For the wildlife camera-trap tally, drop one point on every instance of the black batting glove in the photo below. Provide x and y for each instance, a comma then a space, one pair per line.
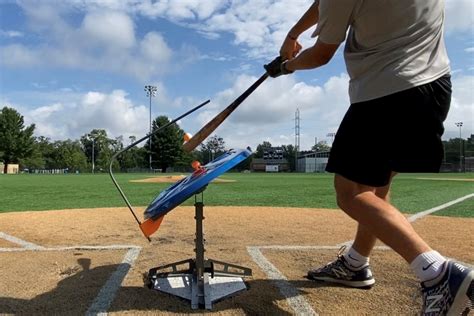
277, 67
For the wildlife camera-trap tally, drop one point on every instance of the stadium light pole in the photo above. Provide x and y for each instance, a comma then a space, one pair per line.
150, 92
93, 164
93, 153
332, 137
459, 124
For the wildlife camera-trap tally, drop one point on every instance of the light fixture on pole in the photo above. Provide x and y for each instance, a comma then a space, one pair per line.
150, 92
459, 124
332, 137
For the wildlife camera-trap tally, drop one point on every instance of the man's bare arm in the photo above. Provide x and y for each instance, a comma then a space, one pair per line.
290, 47
317, 55
309, 18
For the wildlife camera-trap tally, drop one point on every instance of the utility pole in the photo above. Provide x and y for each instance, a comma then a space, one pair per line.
459, 124
150, 92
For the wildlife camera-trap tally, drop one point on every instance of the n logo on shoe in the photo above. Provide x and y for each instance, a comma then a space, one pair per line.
431, 303
339, 272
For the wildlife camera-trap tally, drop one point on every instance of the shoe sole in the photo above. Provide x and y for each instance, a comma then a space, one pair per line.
463, 301
367, 284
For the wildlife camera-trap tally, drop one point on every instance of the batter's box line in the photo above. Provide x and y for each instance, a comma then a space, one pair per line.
67, 248
107, 293
25, 244
294, 299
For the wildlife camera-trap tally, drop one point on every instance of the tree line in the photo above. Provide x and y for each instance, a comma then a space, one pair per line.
94, 149
18, 145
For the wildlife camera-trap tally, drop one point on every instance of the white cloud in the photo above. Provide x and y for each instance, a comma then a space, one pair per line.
11, 33
106, 38
154, 48
462, 107
104, 41
110, 29
114, 112
260, 34
459, 16
469, 50
18, 55
269, 113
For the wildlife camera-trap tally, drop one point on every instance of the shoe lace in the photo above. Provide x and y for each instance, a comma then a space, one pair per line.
330, 265
341, 251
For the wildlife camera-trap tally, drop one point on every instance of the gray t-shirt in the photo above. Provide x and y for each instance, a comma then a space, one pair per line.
392, 45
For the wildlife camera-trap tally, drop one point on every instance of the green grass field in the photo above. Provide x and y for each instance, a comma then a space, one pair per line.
50, 192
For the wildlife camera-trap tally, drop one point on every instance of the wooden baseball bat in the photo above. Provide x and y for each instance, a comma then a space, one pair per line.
211, 126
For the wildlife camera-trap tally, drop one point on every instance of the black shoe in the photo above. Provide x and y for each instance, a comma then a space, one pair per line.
339, 271
451, 293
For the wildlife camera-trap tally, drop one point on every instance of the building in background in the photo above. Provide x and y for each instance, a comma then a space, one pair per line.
272, 161
312, 162
11, 168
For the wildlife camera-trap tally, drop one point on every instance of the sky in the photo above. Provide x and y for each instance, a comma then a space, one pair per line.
70, 66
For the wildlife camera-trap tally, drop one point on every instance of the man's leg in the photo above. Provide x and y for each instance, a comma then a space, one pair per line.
447, 287
364, 240
352, 268
378, 218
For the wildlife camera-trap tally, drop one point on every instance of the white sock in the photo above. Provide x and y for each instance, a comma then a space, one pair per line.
428, 265
355, 259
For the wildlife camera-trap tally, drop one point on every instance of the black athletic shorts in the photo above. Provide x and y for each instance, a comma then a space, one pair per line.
400, 132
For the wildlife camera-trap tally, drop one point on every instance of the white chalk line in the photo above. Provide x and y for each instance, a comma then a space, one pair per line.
438, 208
107, 293
25, 244
294, 299
111, 247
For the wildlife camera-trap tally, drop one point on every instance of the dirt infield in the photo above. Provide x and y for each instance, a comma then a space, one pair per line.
46, 268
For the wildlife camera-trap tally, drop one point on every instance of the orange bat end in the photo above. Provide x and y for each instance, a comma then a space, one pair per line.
150, 226
187, 137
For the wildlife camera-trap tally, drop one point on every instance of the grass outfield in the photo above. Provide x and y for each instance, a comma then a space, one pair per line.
49, 192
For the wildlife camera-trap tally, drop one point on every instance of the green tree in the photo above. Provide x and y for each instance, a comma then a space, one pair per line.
469, 146
261, 148
321, 146
212, 148
166, 145
41, 156
98, 149
289, 154
16, 140
132, 158
68, 154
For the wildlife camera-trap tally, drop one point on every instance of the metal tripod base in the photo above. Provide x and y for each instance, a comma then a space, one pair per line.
201, 293
203, 281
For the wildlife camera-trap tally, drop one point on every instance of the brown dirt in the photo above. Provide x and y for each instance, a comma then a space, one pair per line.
45, 282
173, 179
